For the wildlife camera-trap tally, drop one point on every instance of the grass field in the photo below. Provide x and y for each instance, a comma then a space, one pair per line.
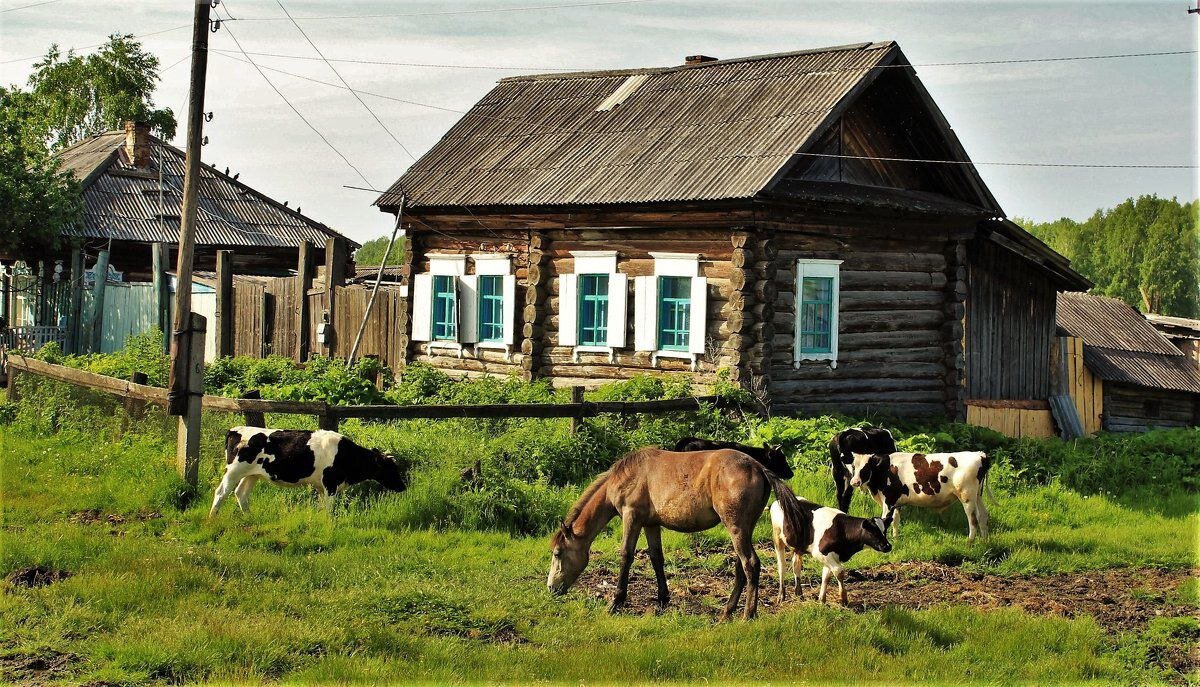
115, 576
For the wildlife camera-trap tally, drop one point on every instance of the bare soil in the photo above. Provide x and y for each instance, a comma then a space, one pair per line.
36, 576
1120, 599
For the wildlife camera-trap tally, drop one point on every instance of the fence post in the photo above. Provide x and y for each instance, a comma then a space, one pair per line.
74, 326
187, 450
11, 394
328, 420
254, 418
304, 278
576, 397
335, 276
101, 270
160, 254
135, 409
224, 310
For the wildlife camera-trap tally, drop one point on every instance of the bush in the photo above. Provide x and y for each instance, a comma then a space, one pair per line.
142, 353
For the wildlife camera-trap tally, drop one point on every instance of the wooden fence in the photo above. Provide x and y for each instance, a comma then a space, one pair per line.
329, 416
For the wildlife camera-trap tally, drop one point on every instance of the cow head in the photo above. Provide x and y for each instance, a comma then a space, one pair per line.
569, 556
873, 465
389, 473
874, 535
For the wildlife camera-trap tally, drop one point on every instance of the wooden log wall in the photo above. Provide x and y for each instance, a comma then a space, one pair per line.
892, 353
1129, 408
1010, 325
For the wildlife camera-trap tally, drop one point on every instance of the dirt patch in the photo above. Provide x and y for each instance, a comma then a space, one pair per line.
95, 516
36, 576
1117, 598
44, 667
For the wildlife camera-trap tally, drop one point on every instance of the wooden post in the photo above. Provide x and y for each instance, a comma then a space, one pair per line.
304, 278
224, 313
362, 327
74, 342
576, 397
179, 394
335, 276
11, 394
254, 418
328, 420
187, 449
97, 332
134, 409
160, 255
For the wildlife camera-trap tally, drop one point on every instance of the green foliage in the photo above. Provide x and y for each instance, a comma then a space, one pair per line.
322, 379
1145, 251
77, 96
142, 353
371, 252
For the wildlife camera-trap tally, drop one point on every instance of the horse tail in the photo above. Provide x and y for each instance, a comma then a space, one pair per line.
797, 520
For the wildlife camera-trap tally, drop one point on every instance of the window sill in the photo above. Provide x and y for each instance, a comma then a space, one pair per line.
830, 358
445, 345
606, 350
495, 346
684, 355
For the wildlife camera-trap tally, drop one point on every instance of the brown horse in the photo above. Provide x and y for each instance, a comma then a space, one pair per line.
685, 492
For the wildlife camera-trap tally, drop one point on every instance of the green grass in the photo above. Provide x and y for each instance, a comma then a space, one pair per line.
374, 593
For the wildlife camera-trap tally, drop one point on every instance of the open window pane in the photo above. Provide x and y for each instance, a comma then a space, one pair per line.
816, 315
491, 308
674, 312
593, 309
445, 310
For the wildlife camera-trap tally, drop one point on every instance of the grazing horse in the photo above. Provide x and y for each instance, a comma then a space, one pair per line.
685, 492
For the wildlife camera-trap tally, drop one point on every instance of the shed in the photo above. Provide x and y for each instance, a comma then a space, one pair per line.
1145, 381
1182, 331
806, 221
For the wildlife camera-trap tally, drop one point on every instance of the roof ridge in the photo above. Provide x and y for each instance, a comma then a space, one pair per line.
603, 73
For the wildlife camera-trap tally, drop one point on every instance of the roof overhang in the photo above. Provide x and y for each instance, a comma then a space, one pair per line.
1013, 237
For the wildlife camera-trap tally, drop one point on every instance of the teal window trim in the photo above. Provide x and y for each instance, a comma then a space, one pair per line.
816, 314
445, 308
674, 313
592, 309
491, 308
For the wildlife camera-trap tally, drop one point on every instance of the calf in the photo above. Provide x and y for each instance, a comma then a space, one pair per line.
771, 457
866, 440
926, 480
835, 538
322, 459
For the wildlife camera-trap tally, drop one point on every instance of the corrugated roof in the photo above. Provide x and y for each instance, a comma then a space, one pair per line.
1121, 346
716, 130
1110, 323
121, 202
1175, 326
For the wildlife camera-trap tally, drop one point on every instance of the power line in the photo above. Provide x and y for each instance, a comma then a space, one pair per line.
428, 65
97, 45
32, 4
294, 109
347, 85
443, 13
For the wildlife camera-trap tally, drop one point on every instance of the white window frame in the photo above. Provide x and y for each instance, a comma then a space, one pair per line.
497, 264
455, 265
601, 262
679, 265
821, 268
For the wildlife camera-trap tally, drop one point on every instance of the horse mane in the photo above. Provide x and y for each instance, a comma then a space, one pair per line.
617, 470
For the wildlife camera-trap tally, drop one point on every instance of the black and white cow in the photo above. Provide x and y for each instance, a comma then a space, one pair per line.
320, 459
835, 538
770, 457
926, 480
865, 440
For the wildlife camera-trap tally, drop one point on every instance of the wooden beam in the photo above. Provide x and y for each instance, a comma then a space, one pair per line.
224, 310
97, 330
304, 279
336, 255
74, 343
1036, 404
187, 446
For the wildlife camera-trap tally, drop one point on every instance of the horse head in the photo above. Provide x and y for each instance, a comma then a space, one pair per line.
569, 556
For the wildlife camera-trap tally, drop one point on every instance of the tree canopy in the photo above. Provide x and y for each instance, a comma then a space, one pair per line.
68, 98
371, 253
1145, 251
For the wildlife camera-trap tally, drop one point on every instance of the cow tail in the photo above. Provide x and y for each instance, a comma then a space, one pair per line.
985, 484
797, 521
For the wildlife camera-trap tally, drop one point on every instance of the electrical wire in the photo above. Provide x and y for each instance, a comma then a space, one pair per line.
97, 45
347, 85
32, 4
297, 111
444, 13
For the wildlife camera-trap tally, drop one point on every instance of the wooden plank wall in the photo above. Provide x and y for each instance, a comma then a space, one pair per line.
1086, 390
249, 325
282, 310
1129, 408
1013, 422
1010, 326
892, 352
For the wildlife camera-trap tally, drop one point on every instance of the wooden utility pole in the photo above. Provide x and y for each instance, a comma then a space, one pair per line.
179, 390
97, 328
224, 313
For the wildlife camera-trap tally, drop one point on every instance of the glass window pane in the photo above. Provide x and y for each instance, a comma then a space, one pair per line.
491, 308
674, 312
816, 315
593, 309
445, 311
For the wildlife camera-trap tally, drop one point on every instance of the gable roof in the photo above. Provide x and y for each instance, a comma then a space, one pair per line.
1181, 327
726, 129
121, 202
1121, 346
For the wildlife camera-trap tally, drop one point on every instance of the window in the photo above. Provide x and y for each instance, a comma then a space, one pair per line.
674, 310
491, 308
593, 309
445, 320
817, 283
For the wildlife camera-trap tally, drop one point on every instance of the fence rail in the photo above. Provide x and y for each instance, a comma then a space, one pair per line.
329, 416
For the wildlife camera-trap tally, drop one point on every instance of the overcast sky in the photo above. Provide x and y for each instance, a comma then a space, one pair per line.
1128, 111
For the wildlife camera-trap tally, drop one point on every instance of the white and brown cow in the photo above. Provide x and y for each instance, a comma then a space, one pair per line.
319, 459
926, 480
835, 537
